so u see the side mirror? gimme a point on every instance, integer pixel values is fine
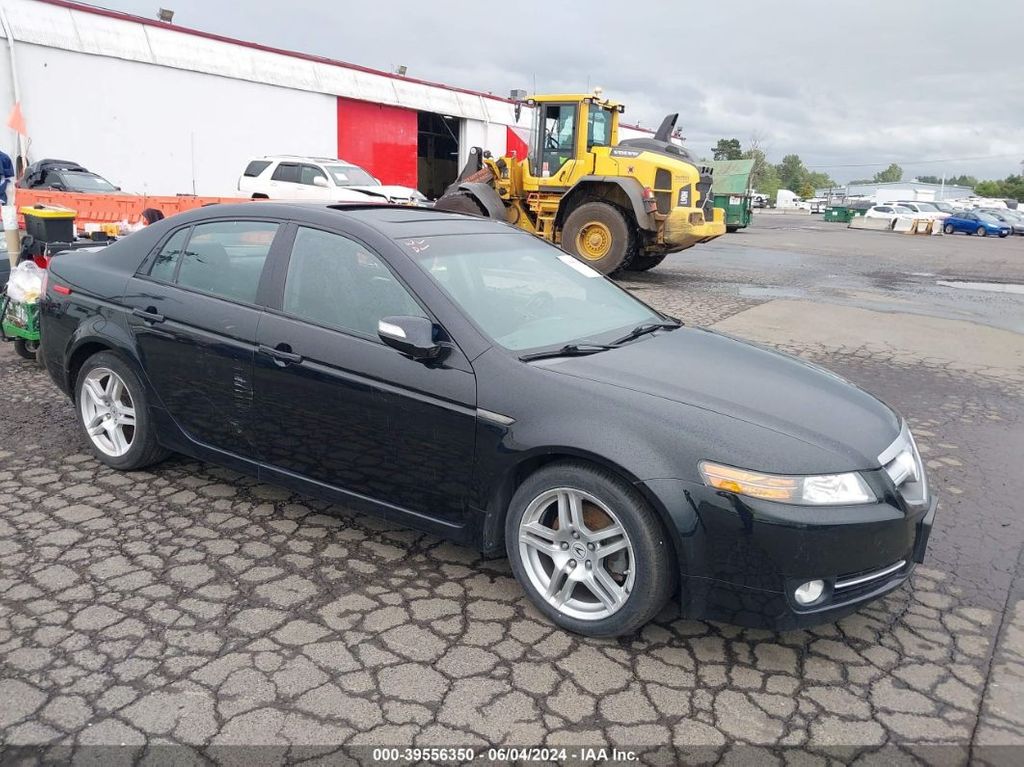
(320, 181)
(412, 336)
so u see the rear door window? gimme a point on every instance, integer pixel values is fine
(166, 262)
(286, 171)
(225, 258)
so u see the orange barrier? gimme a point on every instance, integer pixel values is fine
(112, 208)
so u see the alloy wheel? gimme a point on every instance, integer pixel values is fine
(108, 412)
(577, 554)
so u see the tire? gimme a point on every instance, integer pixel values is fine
(731, 228)
(981, 231)
(26, 349)
(461, 202)
(597, 234)
(139, 437)
(644, 263)
(1002, 235)
(948, 229)
(639, 576)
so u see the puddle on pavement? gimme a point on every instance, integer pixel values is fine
(992, 287)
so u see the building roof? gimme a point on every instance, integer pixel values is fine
(79, 28)
(731, 176)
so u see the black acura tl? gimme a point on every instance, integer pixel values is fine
(463, 377)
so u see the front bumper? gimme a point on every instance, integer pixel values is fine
(742, 559)
(685, 227)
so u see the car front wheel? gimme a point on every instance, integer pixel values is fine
(589, 551)
(113, 414)
(948, 229)
(981, 231)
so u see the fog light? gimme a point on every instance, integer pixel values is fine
(809, 592)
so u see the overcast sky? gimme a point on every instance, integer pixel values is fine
(864, 84)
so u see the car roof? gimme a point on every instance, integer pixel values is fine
(392, 221)
(301, 158)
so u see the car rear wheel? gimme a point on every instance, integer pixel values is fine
(590, 553)
(981, 231)
(26, 349)
(113, 414)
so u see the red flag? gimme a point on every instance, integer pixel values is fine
(16, 120)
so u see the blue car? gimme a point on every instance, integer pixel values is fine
(973, 222)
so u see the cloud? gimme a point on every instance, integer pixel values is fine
(875, 82)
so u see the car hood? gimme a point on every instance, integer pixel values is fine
(714, 372)
(391, 193)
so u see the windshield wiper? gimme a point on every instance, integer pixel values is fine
(569, 350)
(642, 330)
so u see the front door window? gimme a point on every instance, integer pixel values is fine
(557, 137)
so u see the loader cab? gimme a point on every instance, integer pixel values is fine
(566, 130)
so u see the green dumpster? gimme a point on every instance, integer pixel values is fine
(737, 210)
(838, 214)
(730, 186)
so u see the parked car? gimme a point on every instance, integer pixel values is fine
(926, 210)
(893, 213)
(817, 204)
(64, 176)
(468, 379)
(1010, 218)
(975, 222)
(318, 178)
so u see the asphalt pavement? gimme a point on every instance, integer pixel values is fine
(189, 607)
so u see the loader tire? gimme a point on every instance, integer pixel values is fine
(460, 202)
(598, 235)
(642, 263)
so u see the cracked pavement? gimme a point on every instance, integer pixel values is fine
(194, 606)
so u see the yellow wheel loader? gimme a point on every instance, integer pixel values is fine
(614, 205)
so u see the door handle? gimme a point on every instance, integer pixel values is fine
(149, 314)
(281, 354)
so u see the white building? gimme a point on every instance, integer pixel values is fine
(892, 191)
(161, 109)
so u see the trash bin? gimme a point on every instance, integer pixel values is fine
(49, 223)
(737, 210)
(838, 214)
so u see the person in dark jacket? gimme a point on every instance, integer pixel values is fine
(6, 175)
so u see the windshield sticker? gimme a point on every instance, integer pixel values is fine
(579, 266)
(417, 246)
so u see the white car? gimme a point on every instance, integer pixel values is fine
(925, 210)
(319, 178)
(893, 213)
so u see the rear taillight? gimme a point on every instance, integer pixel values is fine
(650, 203)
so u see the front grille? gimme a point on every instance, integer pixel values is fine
(902, 462)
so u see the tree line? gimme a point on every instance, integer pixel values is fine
(768, 178)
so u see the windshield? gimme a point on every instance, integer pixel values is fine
(901, 209)
(350, 175)
(526, 294)
(88, 182)
(988, 218)
(925, 206)
(945, 207)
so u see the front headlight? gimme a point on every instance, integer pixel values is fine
(811, 490)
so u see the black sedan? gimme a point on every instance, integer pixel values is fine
(465, 378)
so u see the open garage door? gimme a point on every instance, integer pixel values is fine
(382, 139)
(437, 152)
